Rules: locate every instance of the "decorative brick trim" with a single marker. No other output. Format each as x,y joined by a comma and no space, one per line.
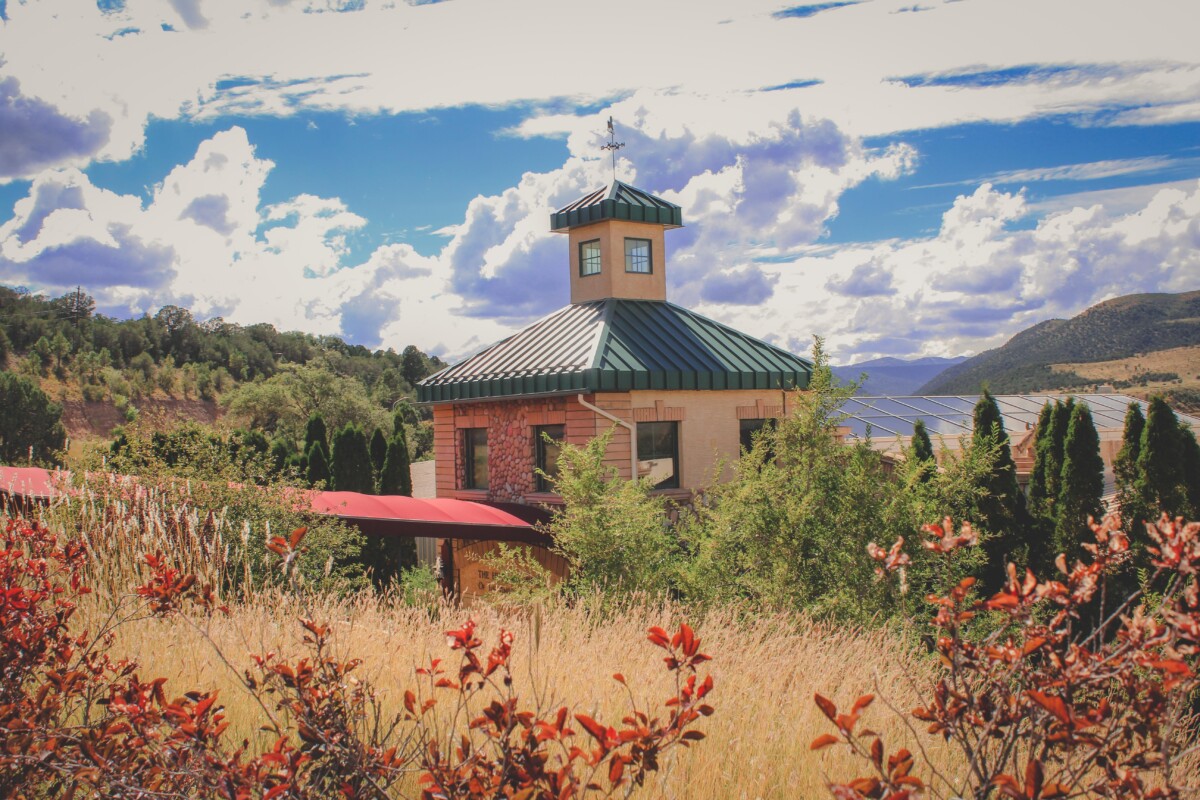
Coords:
760,410
660,412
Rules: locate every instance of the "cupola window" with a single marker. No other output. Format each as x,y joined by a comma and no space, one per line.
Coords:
589,257
637,255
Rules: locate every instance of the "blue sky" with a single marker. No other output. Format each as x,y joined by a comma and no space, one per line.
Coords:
903,180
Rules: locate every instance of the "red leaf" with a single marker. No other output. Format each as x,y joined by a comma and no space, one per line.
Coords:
597,730
297,535
823,741
827,707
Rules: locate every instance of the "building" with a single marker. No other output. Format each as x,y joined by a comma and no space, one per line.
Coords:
680,391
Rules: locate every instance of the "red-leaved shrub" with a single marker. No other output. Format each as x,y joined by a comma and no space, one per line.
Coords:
1050,705
75,722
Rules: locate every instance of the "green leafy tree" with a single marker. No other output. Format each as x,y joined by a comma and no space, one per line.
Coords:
412,365
922,450
317,466
1081,485
396,476
1159,460
378,450
350,462
1125,470
789,531
612,532
29,422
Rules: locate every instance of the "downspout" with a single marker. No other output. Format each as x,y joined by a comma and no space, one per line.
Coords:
633,459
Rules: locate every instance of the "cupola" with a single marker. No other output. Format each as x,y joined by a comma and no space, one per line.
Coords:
617,244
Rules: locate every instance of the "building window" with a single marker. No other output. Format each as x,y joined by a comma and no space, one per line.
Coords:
475,456
658,453
547,455
637,255
589,257
750,428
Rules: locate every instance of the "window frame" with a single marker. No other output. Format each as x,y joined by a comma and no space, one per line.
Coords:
746,442
543,482
582,261
675,481
649,256
470,479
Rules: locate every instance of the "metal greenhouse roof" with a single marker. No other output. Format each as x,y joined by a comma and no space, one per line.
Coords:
617,201
617,345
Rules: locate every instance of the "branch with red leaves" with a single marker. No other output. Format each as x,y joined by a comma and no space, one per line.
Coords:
1044,707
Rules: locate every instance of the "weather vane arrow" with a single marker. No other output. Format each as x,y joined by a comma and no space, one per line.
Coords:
613,145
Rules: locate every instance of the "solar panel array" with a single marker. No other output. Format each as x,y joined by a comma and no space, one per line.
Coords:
951,415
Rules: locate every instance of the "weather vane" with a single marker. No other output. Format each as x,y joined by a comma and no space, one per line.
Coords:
612,145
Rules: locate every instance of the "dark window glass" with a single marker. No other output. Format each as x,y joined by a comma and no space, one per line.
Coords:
475,454
749,428
658,453
637,255
547,455
589,257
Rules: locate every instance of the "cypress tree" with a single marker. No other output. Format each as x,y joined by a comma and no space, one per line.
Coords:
317,466
1001,508
1081,484
1125,470
315,431
1038,491
350,466
1159,459
281,452
396,478
379,446
922,449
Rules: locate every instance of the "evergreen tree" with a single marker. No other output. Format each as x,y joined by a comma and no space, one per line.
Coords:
1125,470
379,446
1058,439
396,477
315,431
350,462
1082,482
922,450
316,465
29,422
281,452
1038,478
1189,462
1159,460
1000,509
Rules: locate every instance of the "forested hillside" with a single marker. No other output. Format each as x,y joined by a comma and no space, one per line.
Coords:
1115,329
260,378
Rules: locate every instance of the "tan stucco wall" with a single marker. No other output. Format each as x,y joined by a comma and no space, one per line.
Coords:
613,280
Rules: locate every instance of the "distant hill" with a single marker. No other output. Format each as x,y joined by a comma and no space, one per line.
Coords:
1115,329
895,376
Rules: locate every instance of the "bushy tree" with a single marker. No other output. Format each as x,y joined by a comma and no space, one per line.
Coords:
29,422
1081,485
612,532
788,531
1189,464
350,467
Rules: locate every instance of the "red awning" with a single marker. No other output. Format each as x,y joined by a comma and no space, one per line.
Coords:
379,515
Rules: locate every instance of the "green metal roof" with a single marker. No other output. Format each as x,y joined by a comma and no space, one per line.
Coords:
617,201
616,345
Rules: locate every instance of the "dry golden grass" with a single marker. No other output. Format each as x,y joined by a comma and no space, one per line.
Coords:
766,669
1183,361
